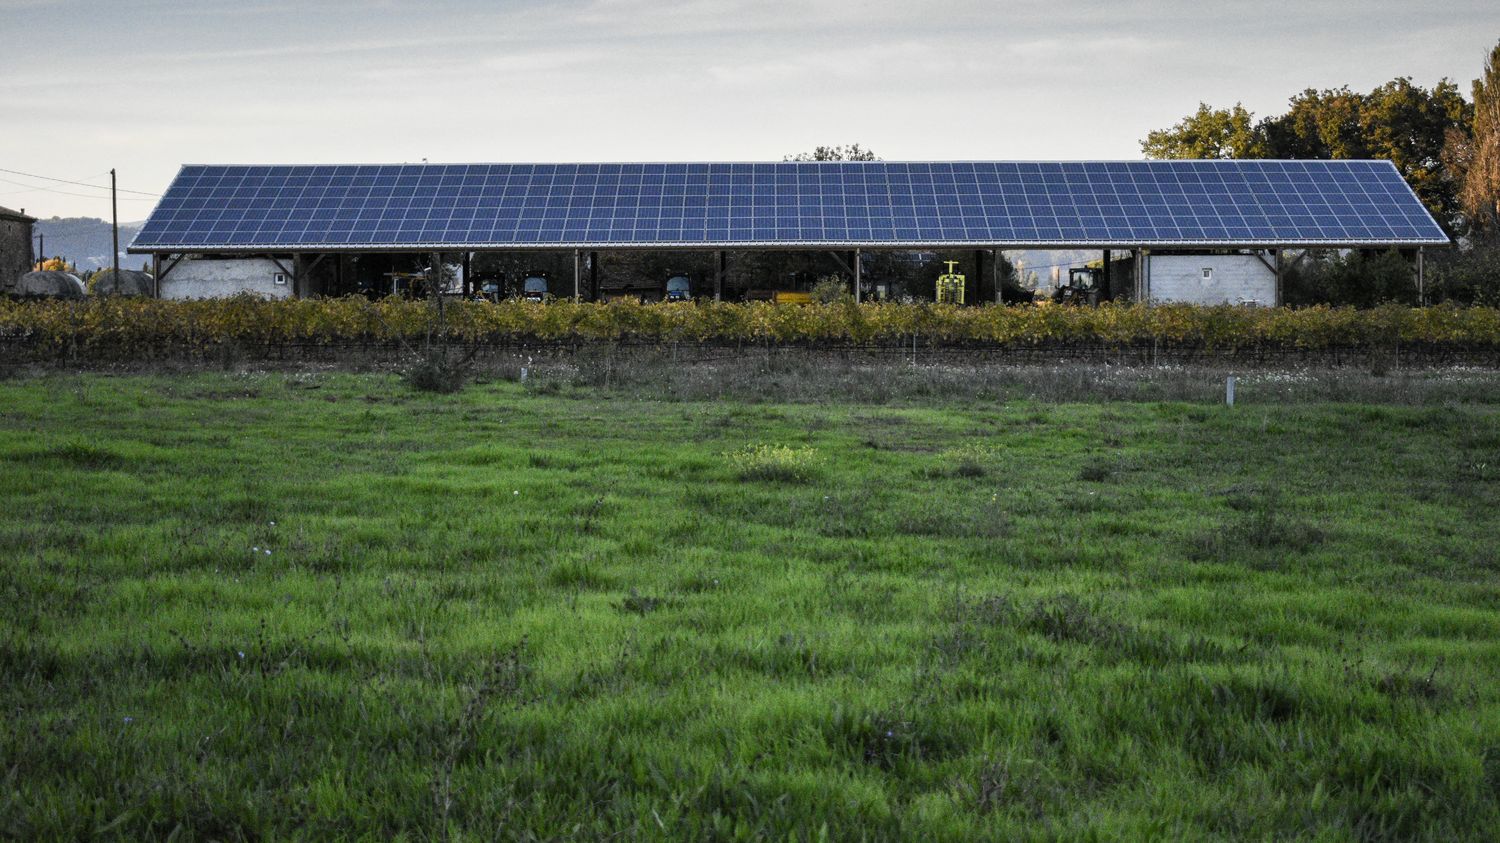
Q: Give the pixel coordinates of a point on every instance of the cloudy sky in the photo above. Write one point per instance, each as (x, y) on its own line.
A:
(146, 85)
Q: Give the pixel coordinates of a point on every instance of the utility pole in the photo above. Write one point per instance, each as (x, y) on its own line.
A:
(114, 225)
(41, 250)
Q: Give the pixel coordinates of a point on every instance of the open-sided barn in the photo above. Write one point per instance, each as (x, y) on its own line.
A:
(1195, 230)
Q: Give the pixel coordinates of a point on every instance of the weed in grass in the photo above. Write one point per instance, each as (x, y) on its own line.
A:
(435, 374)
(86, 455)
(1096, 472)
(1263, 524)
(776, 463)
(1016, 786)
(893, 739)
(500, 684)
(641, 604)
(580, 574)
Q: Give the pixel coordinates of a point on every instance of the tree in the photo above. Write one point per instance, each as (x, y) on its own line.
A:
(852, 152)
(1417, 129)
(1208, 133)
(1480, 191)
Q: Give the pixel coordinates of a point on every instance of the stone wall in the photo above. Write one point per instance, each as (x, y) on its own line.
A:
(15, 250)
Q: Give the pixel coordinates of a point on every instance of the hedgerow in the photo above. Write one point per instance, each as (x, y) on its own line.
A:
(133, 326)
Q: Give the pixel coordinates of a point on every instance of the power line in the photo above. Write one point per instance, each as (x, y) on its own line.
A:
(30, 188)
(78, 183)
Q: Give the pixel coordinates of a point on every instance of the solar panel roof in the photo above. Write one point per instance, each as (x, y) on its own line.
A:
(789, 204)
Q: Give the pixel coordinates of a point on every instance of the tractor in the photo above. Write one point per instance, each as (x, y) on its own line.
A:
(1082, 287)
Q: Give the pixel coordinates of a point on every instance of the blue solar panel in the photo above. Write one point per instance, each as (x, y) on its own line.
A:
(873, 204)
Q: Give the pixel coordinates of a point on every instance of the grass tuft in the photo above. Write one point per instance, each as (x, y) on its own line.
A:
(776, 463)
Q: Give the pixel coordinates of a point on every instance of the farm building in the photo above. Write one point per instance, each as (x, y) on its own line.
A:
(15, 247)
(1200, 231)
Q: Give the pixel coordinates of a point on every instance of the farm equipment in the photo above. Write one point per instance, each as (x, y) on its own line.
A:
(489, 286)
(679, 288)
(950, 286)
(1082, 287)
(535, 287)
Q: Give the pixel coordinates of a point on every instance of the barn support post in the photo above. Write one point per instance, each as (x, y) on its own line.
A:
(978, 275)
(719, 268)
(468, 277)
(1146, 276)
(1421, 277)
(577, 275)
(1140, 275)
(296, 275)
(594, 276)
(859, 272)
(1107, 283)
(156, 275)
(1280, 269)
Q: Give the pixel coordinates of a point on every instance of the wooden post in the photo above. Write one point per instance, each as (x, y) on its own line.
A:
(859, 272)
(1109, 289)
(995, 280)
(1279, 268)
(719, 267)
(594, 291)
(114, 224)
(468, 276)
(156, 275)
(1146, 276)
(577, 274)
(1140, 275)
(978, 275)
(1421, 279)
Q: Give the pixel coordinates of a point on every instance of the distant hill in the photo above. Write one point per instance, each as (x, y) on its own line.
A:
(85, 241)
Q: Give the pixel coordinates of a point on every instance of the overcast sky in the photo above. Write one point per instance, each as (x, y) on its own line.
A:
(145, 86)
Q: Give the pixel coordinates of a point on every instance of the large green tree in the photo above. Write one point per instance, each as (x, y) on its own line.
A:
(1400, 121)
(1208, 133)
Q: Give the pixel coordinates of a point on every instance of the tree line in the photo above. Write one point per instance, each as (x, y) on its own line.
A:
(1447, 147)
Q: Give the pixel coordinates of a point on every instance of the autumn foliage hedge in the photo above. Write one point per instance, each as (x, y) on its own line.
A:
(134, 326)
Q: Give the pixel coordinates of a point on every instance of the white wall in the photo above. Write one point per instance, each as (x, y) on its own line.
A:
(211, 279)
(1236, 279)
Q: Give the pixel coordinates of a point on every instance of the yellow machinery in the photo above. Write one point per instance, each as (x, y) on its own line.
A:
(950, 287)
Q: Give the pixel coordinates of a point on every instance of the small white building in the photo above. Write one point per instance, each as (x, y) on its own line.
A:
(1211, 279)
(212, 278)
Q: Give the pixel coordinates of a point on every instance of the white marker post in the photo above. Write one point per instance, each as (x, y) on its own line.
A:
(1229, 391)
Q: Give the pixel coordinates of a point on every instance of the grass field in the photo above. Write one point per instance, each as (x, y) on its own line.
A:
(277, 604)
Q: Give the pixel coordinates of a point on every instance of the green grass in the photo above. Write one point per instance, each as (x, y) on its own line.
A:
(520, 615)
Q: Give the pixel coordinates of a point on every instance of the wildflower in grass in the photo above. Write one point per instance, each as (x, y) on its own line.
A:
(776, 462)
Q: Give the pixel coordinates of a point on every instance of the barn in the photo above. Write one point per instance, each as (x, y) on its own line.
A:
(1200, 231)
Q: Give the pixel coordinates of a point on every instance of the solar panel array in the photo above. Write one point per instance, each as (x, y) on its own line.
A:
(875, 204)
